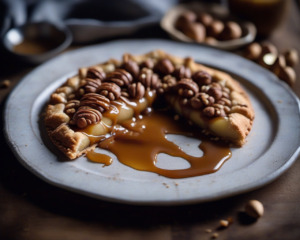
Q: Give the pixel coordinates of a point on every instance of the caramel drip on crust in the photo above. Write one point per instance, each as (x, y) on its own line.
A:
(99, 158)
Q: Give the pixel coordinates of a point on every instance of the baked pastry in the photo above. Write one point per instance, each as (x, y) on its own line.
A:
(91, 104)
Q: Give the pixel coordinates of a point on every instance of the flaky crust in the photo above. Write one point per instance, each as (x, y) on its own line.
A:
(74, 144)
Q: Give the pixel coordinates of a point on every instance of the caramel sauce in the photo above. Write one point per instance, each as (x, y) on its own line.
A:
(138, 141)
(35, 46)
(138, 145)
(99, 158)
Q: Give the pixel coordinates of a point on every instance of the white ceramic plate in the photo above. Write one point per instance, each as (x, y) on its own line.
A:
(272, 147)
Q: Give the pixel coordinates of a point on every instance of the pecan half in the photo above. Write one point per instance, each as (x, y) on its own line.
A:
(131, 67)
(88, 85)
(165, 66)
(96, 101)
(202, 78)
(149, 79)
(187, 88)
(86, 116)
(182, 72)
(120, 77)
(148, 63)
(94, 73)
(110, 90)
(71, 107)
(167, 83)
(136, 90)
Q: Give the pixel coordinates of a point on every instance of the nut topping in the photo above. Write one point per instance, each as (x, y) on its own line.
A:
(148, 63)
(202, 78)
(120, 77)
(167, 83)
(86, 116)
(96, 101)
(216, 93)
(136, 90)
(214, 111)
(131, 67)
(94, 73)
(202, 100)
(110, 90)
(71, 107)
(182, 72)
(89, 85)
(149, 79)
(165, 66)
(186, 87)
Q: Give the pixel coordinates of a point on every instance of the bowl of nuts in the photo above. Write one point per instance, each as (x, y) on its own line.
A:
(207, 24)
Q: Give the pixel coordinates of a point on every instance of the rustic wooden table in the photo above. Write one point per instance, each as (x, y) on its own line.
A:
(31, 209)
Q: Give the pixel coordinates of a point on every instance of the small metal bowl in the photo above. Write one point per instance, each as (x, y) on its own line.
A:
(25, 42)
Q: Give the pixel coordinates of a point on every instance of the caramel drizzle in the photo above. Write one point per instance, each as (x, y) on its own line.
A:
(138, 141)
(99, 158)
(139, 145)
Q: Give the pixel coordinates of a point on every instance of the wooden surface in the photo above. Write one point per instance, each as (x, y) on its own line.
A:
(31, 209)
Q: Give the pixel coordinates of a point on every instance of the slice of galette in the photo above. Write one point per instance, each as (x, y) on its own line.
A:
(97, 100)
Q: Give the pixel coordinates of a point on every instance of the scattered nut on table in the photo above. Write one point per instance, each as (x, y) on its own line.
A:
(215, 235)
(5, 84)
(224, 223)
(254, 209)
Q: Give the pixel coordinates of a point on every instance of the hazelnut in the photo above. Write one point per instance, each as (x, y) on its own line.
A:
(205, 18)
(5, 84)
(215, 235)
(253, 51)
(288, 75)
(210, 41)
(291, 57)
(195, 31)
(254, 209)
(268, 47)
(278, 65)
(232, 30)
(267, 60)
(215, 28)
(271, 50)
(184, 19)
(224, 223)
